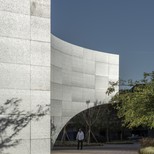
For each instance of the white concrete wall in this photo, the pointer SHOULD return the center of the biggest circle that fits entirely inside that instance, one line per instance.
(78, 75)
(25, 66)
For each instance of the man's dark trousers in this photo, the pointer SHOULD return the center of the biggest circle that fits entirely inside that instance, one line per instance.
(80, 144)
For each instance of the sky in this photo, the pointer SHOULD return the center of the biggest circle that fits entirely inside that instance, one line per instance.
(124, 27)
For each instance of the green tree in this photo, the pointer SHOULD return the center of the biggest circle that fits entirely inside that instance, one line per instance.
(135, 103)
(87, 120)
(91, 116)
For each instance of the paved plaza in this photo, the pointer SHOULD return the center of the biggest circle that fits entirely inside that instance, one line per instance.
(93, 152)
(106, 149)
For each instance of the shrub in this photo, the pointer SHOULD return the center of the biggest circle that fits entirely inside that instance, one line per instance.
(147, 142)
(147, 150)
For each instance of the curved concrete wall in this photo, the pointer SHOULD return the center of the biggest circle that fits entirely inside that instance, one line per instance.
(77, 75)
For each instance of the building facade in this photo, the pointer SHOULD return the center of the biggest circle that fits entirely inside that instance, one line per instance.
(25, 67)
(39, 72)
(78, 75)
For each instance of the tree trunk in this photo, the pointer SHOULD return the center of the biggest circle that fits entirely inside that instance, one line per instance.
(107, 134)
(88, 139)
(65, 135)
(121, 135)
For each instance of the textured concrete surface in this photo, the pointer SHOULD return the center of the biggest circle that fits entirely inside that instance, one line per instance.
(77, 75)
(25, 67)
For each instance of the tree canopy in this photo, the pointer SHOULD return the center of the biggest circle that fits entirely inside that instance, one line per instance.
(135, 103)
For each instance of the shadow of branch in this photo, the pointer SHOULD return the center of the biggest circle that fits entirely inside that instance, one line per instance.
(13, 120)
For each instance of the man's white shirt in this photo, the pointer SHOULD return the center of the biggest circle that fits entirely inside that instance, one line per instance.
(80, 135)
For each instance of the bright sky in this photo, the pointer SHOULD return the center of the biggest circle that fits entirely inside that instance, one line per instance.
(125, 27)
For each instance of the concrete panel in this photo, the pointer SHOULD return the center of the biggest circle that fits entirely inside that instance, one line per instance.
(77, 107)
(77, 51)
(88, 66)
(89, 54)
(24, 95)
(23, 146)
(14, 76)
(77, 64)
(66, 77)
(40, 53)
(40, 8)
(77, 94)
(56, 91)
(42, 126)
(14, 25)
(16, 6)
(24, 134)
(56, 58)
(113, 70)
(56, 74)
(67, 113)
(40, 78)
(67, 93)
(113, 59)
(101, 95)
(77, 79)
(67, 105)
(88, 94)
(40, 146)
(89, 81)
(40, 29)
(6, 94)
(61, 45)
(56, 107)
(102, 69)
(39, 98)
(101, 57)
(67, 62)
(14, 50)
(101, 82)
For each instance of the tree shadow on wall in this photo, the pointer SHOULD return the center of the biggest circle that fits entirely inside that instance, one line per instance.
(13, 120)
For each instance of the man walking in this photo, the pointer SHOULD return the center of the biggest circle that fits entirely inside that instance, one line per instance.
(80, 138)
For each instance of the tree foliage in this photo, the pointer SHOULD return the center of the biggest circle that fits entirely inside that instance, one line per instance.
(135, 103)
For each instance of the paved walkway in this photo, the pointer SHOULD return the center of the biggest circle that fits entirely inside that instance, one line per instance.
(106, 149)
